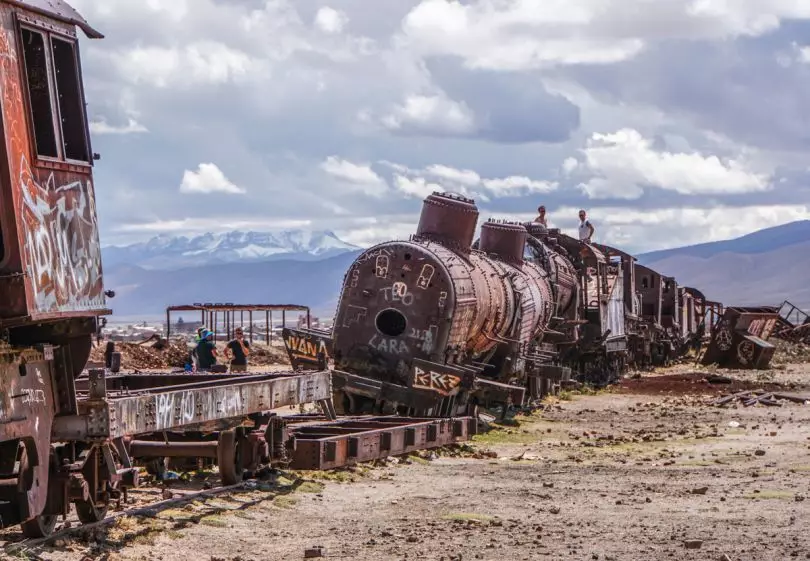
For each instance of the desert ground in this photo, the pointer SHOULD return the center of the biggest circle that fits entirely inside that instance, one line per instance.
(648, 469)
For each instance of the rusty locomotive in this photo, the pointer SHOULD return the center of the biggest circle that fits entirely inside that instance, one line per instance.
(442, 323)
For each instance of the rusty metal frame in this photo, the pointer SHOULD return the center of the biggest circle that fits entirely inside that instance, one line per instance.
(210, 311)
(101, 417)
(346, 442)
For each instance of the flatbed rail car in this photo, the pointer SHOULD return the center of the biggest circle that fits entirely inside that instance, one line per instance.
(83, 436)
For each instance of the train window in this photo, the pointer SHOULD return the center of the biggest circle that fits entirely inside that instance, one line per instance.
(39, 91)
(645, 282)
(69, 96)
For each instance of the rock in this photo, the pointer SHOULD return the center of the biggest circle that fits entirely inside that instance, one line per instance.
(798, 498)
(548, 485)
(725, 557)
(693, 544)
(699, 491)
(554, 510)
(312, 552)
(759, 452)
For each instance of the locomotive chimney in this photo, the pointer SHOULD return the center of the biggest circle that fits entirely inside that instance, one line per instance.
(506, 240)
(448, 219)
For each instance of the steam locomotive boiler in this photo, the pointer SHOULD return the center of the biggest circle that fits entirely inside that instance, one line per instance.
(430, 326)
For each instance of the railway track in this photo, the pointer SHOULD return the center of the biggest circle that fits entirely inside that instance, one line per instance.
(27, 548)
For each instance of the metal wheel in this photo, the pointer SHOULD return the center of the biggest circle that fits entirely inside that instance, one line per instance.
(39, 527)
(88, 512)
(229, 458)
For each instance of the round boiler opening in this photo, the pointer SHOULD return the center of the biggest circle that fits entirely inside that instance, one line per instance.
(391, 322)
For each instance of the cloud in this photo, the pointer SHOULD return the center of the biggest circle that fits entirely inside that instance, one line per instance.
(502, 100)
(520, 34)
(357, 175)
(208, 179)
(431, 115)
(624, 163)
(330, 20)
(102, 127)
(417, 182)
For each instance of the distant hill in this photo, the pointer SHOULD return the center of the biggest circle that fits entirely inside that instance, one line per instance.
(311, 283)
(761, 268)
(760, 241)
(177, 252)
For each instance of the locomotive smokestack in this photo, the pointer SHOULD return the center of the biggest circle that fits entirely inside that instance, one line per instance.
(448, 219)
(506, 240)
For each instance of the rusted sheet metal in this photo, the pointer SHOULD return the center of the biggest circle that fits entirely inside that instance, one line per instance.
(307, 348)
(179, 406)
(59, 10)
(53, 256)
(331, 445)
(26, 410)
(739, 339)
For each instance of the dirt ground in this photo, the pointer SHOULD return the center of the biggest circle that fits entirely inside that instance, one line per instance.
(647, 470)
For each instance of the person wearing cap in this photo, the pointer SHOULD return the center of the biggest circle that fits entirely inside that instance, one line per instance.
(237, 350)
(541, 216)
(206, 351)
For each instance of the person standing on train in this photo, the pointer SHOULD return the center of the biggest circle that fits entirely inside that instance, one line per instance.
(586, 229)
(541, 216)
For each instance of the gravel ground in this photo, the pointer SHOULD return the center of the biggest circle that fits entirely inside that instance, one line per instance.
(648, 470)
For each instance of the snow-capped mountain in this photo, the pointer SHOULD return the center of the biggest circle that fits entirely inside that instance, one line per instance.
(175, 252)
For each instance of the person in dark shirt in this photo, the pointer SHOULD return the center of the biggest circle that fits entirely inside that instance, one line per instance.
(238, 350)
(206, 351)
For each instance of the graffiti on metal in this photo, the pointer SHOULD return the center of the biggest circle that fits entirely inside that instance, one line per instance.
(443, 384)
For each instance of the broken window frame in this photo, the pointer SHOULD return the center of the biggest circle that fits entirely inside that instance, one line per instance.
(48, 35)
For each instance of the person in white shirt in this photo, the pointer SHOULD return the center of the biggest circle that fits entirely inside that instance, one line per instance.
(586, 229)
(541, 217)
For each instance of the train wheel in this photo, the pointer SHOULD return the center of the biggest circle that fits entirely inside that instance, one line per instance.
(229, 457)
(39, 527)
(88, 512)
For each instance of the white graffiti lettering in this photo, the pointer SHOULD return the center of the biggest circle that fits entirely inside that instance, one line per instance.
(164, 409)
(381, 269)
(442, 299)
(425, 276)
(33, 396)
(386, 345)
(398, 293)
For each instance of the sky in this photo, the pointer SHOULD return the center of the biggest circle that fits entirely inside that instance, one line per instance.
(670, 121)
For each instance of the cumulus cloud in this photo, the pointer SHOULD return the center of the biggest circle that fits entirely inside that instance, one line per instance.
(208, 179)
(527, 34)
(359, 175)
(420, 183)
(624, 163)
(330, 20)
(431, 115)
(512, 102)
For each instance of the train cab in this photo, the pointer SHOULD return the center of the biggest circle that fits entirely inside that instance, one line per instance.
(50, 269)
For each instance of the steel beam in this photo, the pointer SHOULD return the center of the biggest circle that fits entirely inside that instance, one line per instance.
(186, 405)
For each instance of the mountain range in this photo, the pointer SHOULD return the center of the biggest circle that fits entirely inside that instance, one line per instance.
(178, 252)
(300, 267)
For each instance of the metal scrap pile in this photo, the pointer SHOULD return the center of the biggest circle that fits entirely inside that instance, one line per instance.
(760, 397)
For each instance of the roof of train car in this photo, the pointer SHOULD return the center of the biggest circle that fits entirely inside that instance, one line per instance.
(694, 292)
(59, 10)
(572, 242)
(645, 268)
(607, 249)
